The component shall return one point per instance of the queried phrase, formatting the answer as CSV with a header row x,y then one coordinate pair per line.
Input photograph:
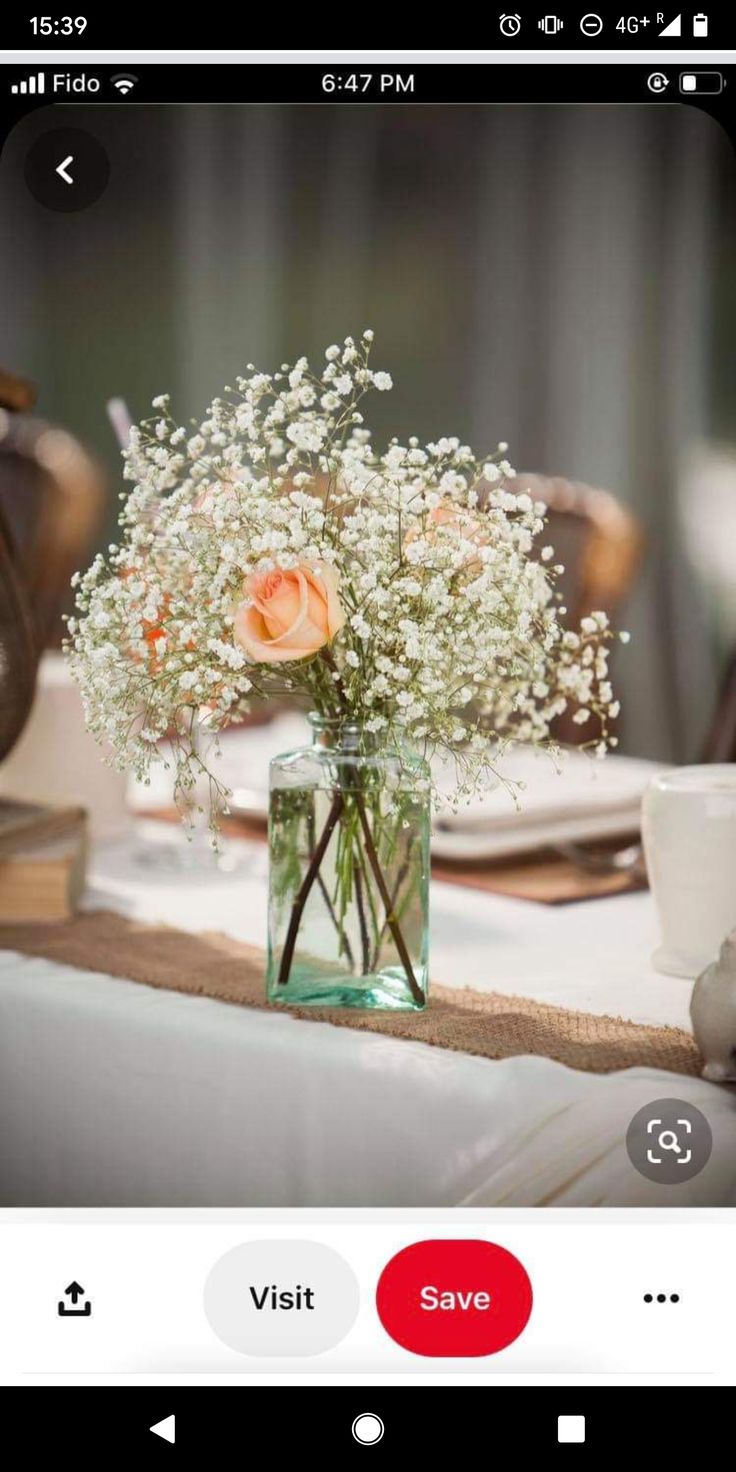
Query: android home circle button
x,y
454,1298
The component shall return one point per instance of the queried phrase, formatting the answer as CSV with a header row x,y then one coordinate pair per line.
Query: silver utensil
x,y
627,860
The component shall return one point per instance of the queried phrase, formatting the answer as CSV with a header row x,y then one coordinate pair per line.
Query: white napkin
x,y
578,798
582,798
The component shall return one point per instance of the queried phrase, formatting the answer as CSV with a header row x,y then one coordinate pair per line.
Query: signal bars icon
x,y
34,86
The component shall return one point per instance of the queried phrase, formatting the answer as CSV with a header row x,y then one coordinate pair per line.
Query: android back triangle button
x,y
166,1429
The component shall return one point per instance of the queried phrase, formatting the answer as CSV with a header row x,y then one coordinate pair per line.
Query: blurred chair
x,y
707,508
720,743
598,541
51,502
19,651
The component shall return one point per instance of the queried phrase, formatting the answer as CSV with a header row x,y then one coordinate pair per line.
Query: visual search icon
x,y
669,1141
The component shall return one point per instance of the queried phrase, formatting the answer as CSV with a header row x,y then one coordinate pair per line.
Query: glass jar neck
x,y
340,733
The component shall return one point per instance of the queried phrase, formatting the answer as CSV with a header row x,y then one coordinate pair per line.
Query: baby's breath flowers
x,y
271,549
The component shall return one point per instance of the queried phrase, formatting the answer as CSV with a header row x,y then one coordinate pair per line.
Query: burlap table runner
x,y
484,1024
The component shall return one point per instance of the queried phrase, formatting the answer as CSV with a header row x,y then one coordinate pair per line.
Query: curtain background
x,y
555,277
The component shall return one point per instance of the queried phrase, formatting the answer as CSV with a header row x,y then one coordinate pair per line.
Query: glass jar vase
x,y
349,872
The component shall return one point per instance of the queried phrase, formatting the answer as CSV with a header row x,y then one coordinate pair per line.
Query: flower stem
x,y
391,920
401,876
302,896
364,937
344,943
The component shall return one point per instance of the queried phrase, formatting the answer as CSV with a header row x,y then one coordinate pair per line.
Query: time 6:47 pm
x,y
397,83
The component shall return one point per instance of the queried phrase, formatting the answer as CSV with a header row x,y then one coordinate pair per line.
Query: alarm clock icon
x,y
510,25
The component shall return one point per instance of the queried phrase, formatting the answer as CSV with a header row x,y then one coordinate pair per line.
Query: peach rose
x,y
288,613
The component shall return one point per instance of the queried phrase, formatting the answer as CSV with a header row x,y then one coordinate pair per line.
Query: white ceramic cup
x,y
689,834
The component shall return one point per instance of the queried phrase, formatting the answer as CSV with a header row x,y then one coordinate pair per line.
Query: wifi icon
x,y
124,82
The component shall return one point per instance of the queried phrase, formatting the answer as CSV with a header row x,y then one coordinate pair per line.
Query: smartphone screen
x,y
367,735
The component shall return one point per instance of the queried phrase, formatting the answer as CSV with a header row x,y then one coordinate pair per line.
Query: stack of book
x,y
43,853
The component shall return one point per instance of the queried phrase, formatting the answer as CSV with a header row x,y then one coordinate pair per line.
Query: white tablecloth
x,y
114,1094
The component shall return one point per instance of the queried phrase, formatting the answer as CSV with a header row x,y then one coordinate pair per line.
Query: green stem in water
x,y
391,920
364,937
297,909
345,945
400,877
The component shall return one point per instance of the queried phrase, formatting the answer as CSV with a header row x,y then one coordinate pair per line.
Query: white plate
x,y
584,800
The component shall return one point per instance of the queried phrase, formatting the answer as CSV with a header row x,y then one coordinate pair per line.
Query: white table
x,y
115,1094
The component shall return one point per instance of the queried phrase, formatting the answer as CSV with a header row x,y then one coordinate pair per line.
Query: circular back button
x,y
454,1298
67,170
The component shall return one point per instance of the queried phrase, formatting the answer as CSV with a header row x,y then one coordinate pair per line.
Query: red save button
x,y
454,1298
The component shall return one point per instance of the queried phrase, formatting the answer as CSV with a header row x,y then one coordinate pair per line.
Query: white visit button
x,y
283,1297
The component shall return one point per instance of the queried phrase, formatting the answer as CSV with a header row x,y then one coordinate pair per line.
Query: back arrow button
x,y
62,169
66,169
166,1429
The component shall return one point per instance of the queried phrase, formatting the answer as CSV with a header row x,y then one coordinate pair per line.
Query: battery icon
x,y
701,83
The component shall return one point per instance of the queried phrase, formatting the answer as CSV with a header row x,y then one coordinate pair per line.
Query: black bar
x,y
351,85
489,1421
368,85
622,26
